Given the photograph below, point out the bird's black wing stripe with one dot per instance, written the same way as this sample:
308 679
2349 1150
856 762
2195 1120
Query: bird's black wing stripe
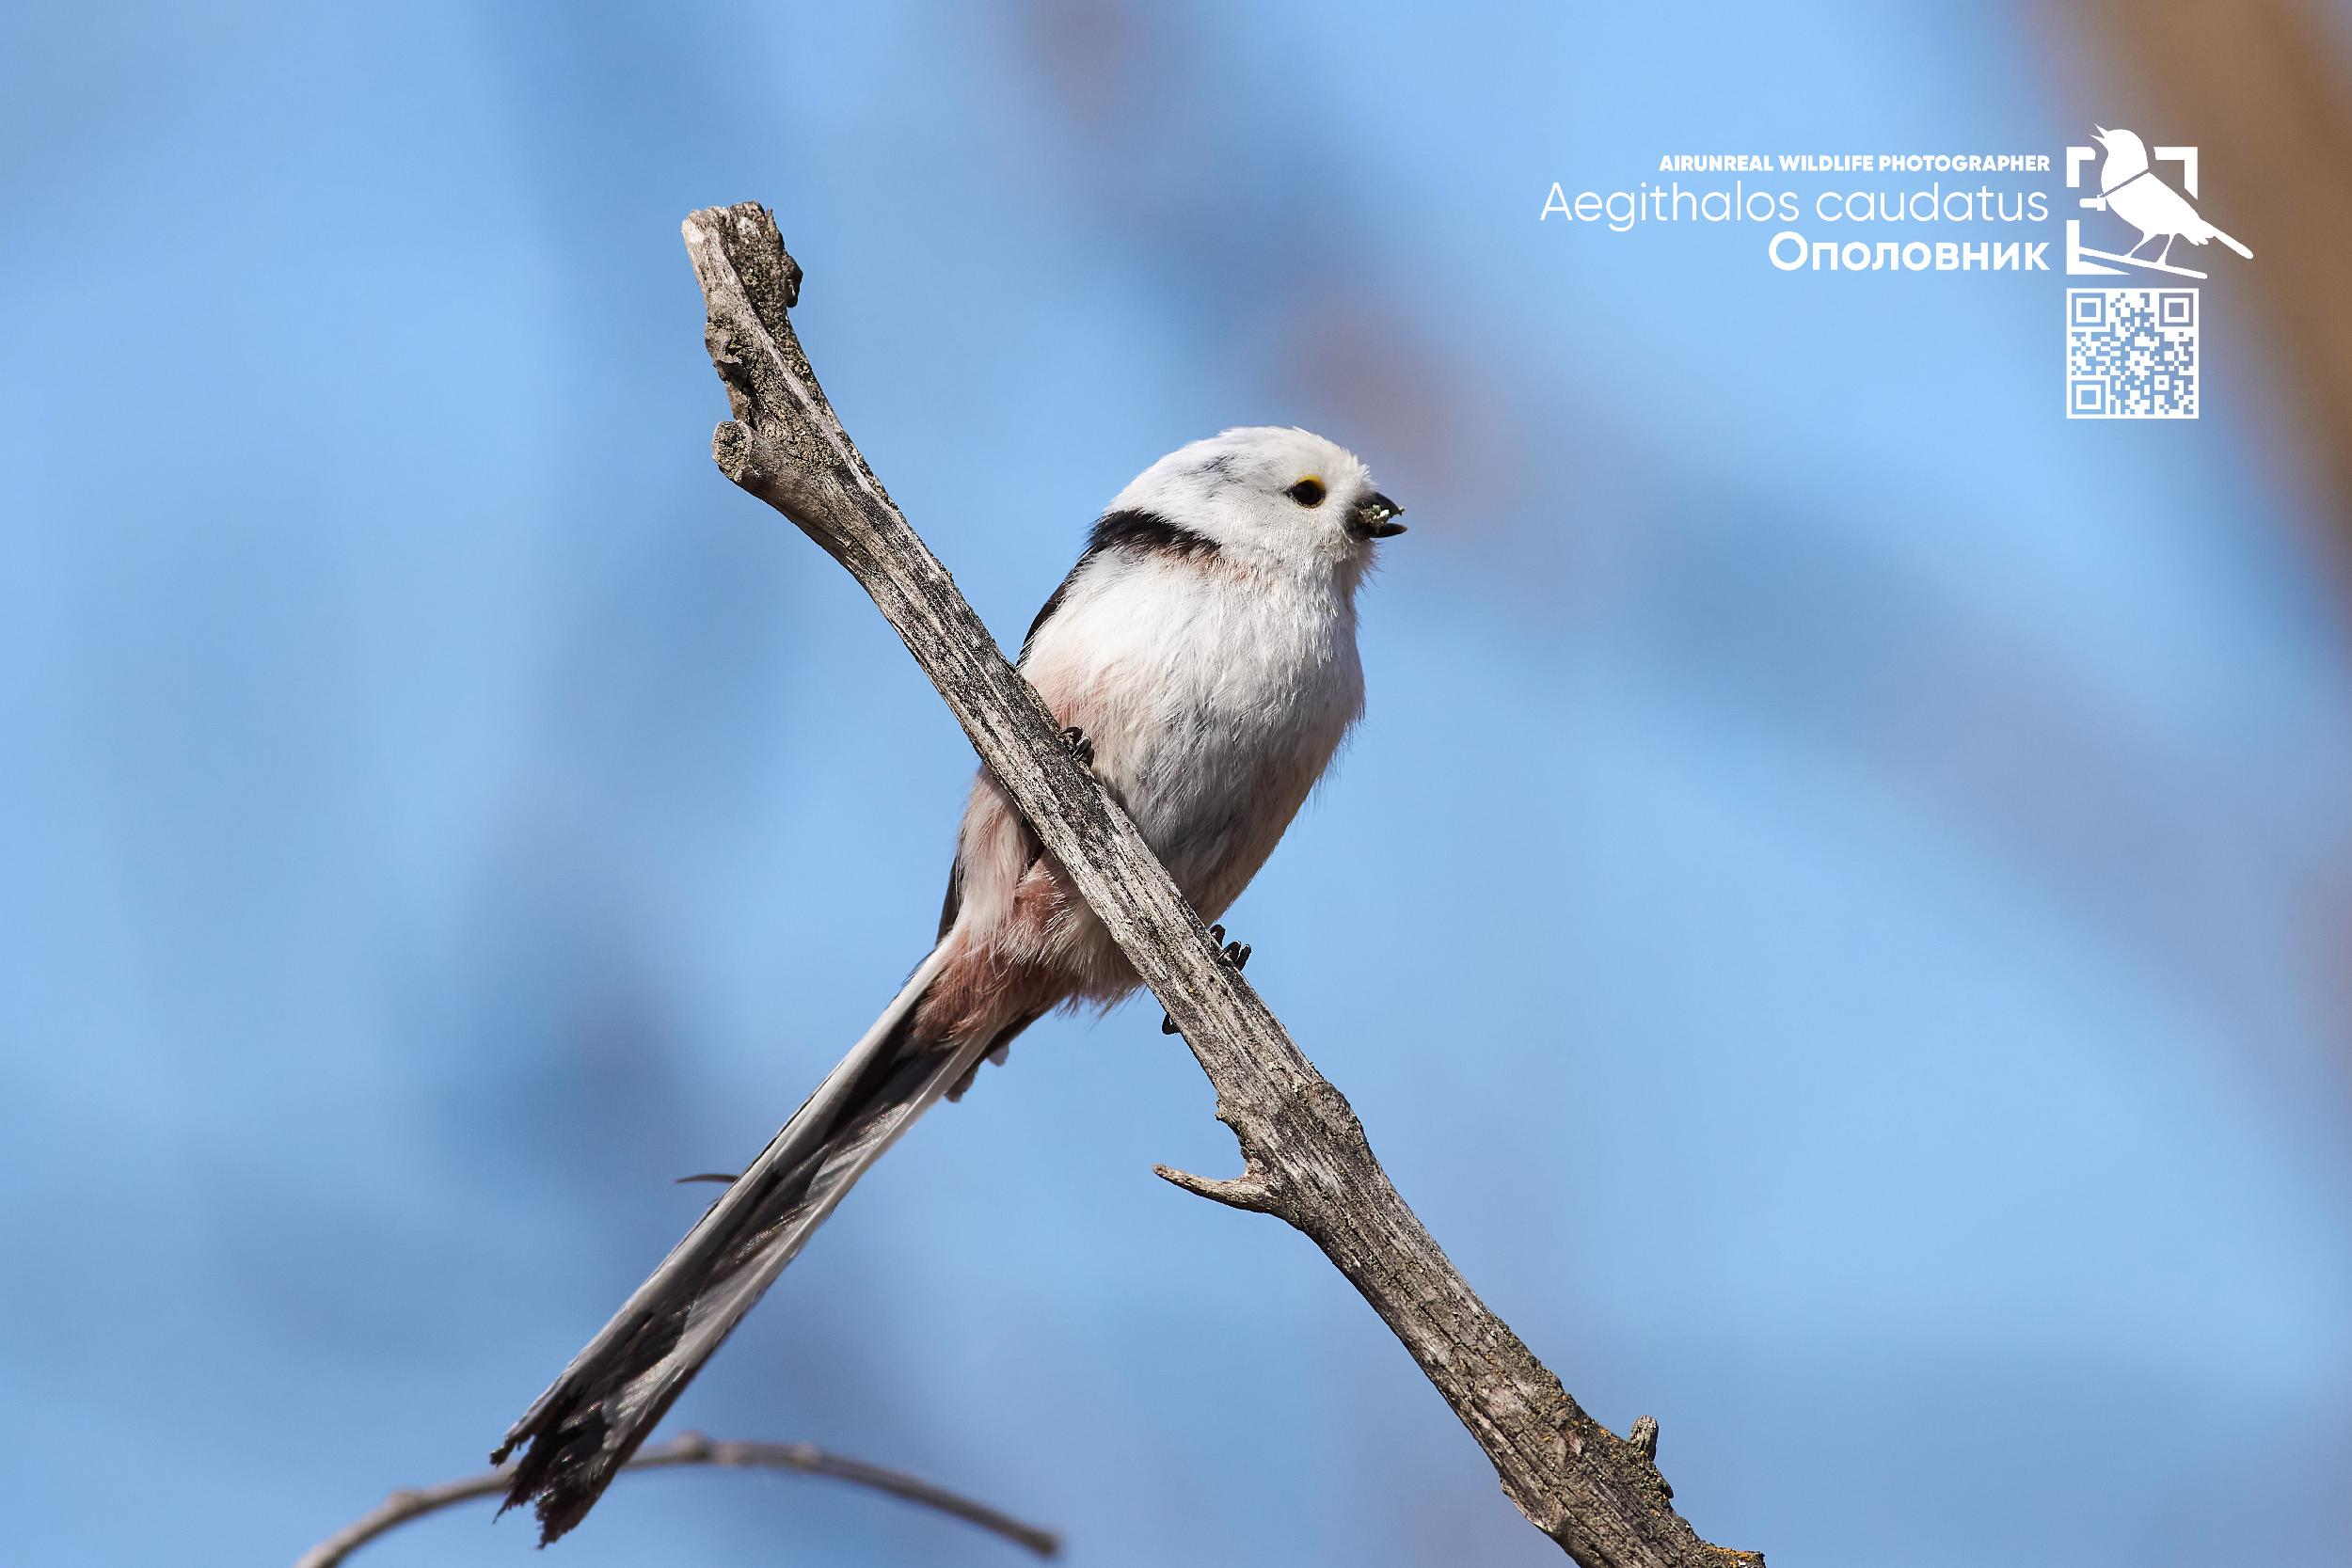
1051 605
1140 532
953 904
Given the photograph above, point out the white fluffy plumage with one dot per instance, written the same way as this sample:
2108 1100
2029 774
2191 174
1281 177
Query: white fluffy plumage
1205 646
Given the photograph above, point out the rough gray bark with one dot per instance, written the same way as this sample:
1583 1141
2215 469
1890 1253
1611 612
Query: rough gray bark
1306 1159
690 1448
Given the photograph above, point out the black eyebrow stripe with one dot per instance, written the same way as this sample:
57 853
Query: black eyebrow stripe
1145 531
1131 529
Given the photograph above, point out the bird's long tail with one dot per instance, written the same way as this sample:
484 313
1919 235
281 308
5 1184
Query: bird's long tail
2232 241
584 1429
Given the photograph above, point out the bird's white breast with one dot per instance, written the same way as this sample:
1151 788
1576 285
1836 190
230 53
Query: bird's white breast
1215 696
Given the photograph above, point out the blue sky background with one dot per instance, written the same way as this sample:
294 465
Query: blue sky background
1837 916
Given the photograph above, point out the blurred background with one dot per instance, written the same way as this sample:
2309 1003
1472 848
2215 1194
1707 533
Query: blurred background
1838 916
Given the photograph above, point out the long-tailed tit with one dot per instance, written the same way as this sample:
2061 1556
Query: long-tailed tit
1204 648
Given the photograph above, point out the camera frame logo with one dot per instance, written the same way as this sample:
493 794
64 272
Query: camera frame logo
2132 353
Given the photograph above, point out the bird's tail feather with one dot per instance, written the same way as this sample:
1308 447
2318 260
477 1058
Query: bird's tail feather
2232 241
584 1429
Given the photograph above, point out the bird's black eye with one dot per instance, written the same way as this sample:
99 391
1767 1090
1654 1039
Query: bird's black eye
1307 492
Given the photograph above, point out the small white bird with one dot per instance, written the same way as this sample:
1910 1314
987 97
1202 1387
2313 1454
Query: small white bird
2129 186
1202 653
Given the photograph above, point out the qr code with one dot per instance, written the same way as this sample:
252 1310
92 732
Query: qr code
2131 354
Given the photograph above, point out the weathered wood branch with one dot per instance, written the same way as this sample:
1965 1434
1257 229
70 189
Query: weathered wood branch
1305 1157
690 1448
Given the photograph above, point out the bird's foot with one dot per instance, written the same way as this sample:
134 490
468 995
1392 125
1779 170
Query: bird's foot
1236 954
1080 747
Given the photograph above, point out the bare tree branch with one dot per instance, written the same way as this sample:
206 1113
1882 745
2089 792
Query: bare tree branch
690 1448
1305 1156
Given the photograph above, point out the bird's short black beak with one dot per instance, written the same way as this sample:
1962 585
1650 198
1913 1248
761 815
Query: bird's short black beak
1376 518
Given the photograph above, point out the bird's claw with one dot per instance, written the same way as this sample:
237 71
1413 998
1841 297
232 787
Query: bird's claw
1236 954
1080 747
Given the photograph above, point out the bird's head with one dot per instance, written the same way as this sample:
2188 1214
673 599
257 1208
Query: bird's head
2124 146
1275 496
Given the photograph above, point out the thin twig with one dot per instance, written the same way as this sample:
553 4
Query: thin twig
1305 1158
691 1447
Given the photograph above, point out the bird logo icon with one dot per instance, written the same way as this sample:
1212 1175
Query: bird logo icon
2130 188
